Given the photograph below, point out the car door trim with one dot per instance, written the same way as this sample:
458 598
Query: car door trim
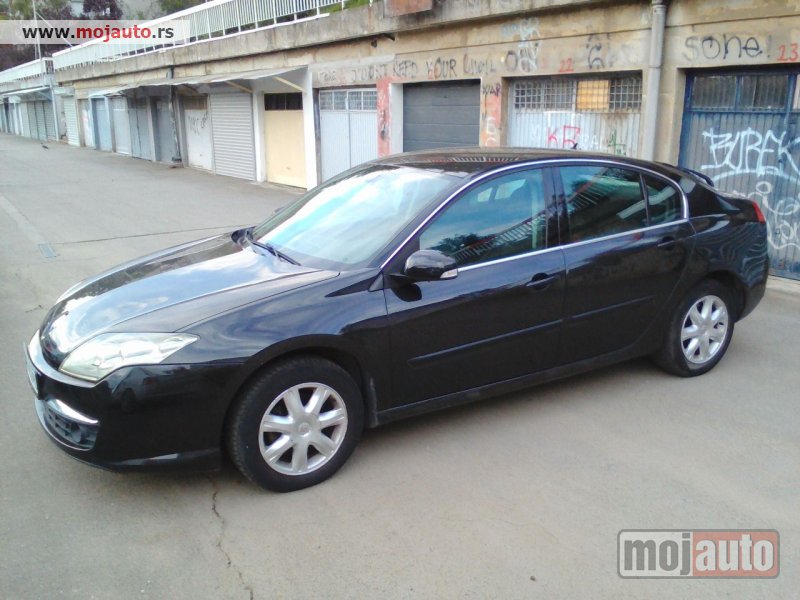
424 359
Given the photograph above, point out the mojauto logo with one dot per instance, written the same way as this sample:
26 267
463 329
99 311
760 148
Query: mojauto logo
737 553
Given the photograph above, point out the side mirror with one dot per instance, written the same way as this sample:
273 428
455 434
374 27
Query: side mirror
430 265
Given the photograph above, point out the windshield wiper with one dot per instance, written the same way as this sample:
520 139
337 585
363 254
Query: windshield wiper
271 249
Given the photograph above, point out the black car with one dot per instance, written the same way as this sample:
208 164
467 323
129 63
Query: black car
405 285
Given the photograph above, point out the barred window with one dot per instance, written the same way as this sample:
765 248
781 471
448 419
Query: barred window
370 99
625 94
617 94
348 100
764 91
714 91
745 92
545 94
326 100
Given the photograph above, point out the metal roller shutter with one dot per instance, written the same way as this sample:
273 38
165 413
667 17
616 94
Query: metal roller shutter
71 119
232 135
438 115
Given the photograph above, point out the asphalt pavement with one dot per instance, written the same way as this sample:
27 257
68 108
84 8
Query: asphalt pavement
517 497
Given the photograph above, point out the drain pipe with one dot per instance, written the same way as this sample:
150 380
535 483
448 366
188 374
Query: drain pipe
659 17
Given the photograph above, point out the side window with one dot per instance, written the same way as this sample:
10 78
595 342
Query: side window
663 201
502 217
602 200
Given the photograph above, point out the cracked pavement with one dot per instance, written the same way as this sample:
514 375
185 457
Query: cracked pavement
517 497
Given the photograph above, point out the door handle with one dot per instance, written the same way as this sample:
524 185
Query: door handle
540 281
667 243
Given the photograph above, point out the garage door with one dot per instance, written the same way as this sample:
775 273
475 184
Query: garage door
139 119
122 128
41 120
197 126
348 124
742 131
232 135
593 114
439 115
102 123
87 124
71 120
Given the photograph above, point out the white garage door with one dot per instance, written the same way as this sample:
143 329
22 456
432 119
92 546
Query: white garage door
348 123
197 124
232 135
71 119
122 126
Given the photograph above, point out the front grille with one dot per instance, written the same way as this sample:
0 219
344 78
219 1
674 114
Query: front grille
73 433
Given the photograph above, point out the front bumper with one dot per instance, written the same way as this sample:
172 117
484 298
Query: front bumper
143 417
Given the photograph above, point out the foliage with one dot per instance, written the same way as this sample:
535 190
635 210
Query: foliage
171 6
102 9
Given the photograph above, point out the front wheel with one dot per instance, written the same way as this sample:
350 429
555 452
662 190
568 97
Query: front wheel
699 331
295 424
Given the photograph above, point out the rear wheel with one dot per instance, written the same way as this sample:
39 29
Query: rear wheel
296 424
699 331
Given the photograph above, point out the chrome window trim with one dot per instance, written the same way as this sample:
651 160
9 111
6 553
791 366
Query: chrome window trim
572 245
548 162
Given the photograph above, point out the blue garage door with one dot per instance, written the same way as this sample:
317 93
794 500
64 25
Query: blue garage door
741 129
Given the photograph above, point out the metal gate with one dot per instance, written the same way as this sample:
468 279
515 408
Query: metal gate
41 123
232 134
139 118
166 148
438 115
87 123
741 129
71 121
122 128
348 119
574 113
102 124
197 125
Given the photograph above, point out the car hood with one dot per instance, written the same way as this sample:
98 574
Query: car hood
169 289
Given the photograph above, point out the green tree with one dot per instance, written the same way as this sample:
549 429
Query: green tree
171 6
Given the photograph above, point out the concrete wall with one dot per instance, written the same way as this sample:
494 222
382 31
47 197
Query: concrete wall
493 41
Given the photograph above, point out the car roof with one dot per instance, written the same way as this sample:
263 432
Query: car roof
473 160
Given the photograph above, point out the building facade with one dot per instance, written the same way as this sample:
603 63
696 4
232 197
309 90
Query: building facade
711 85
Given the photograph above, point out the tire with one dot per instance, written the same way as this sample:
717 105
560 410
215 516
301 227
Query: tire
699 331
277 434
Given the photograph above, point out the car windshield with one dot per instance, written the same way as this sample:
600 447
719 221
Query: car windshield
347 222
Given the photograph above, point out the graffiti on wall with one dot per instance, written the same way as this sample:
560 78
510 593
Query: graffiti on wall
773 159
524 29
725 47
196 121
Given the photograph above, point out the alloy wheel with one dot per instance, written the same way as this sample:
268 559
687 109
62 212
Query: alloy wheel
302 428
705 327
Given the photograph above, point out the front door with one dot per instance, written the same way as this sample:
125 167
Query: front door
626 248
500 318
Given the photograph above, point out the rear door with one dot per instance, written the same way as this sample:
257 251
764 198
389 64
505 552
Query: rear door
627 242
500 318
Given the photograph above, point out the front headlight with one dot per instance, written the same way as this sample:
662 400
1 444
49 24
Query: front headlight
105 353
